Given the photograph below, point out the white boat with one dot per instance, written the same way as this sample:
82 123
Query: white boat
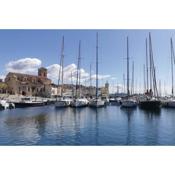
115 101
97 103
6 105
169 103
64 102
79 102
128 103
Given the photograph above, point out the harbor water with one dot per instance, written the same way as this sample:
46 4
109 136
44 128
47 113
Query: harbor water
111 125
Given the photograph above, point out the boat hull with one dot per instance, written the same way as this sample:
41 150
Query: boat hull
79 103
154 104
25 105
97 104
62 104
128 104
169 104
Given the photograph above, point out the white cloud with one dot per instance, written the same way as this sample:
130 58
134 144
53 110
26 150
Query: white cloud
70 70
24 65
31 65
100 77
2 77
53 72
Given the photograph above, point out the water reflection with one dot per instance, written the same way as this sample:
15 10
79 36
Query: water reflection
129 112
152 113
95 112
104 126
26 130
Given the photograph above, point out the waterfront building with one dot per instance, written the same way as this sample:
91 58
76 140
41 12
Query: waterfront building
3 87
86 91
105 90
29 85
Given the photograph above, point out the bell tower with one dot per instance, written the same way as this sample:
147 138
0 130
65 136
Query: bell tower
42 72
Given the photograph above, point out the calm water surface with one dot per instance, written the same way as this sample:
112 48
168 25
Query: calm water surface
105 126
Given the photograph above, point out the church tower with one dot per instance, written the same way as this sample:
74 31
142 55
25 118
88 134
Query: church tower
42 72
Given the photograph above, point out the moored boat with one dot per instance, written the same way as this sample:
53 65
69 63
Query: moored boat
79 102
128 103
6 105
150 103
97 101
151 100
28 102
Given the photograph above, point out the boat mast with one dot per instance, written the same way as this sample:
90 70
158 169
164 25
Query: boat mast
62 73
153 69
128 93
150 62
90 78
172 71
145 87
160 89
147 82
124 83
97 65
132 85
60 76
78 71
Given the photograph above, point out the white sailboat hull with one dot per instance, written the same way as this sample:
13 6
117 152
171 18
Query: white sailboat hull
97 103
79 103
62 103
128 103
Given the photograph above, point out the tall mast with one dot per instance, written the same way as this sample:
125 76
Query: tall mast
147 82
128 93
79 83
97 65
150 62
172 72
78 70
145 87
60 76
62 55
153 69
72 85
124 82
160 89
90 78
132 85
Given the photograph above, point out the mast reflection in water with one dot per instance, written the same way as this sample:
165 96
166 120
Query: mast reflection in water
86 126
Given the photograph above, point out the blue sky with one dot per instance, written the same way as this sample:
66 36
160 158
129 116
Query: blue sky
45 46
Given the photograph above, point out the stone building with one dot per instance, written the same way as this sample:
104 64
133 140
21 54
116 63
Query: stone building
3 87
29 85
105 90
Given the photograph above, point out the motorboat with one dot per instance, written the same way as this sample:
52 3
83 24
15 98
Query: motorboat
28 102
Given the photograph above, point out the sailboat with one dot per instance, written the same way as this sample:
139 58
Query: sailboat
62 101
97 102
79 101
128 102
151 100
171 101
